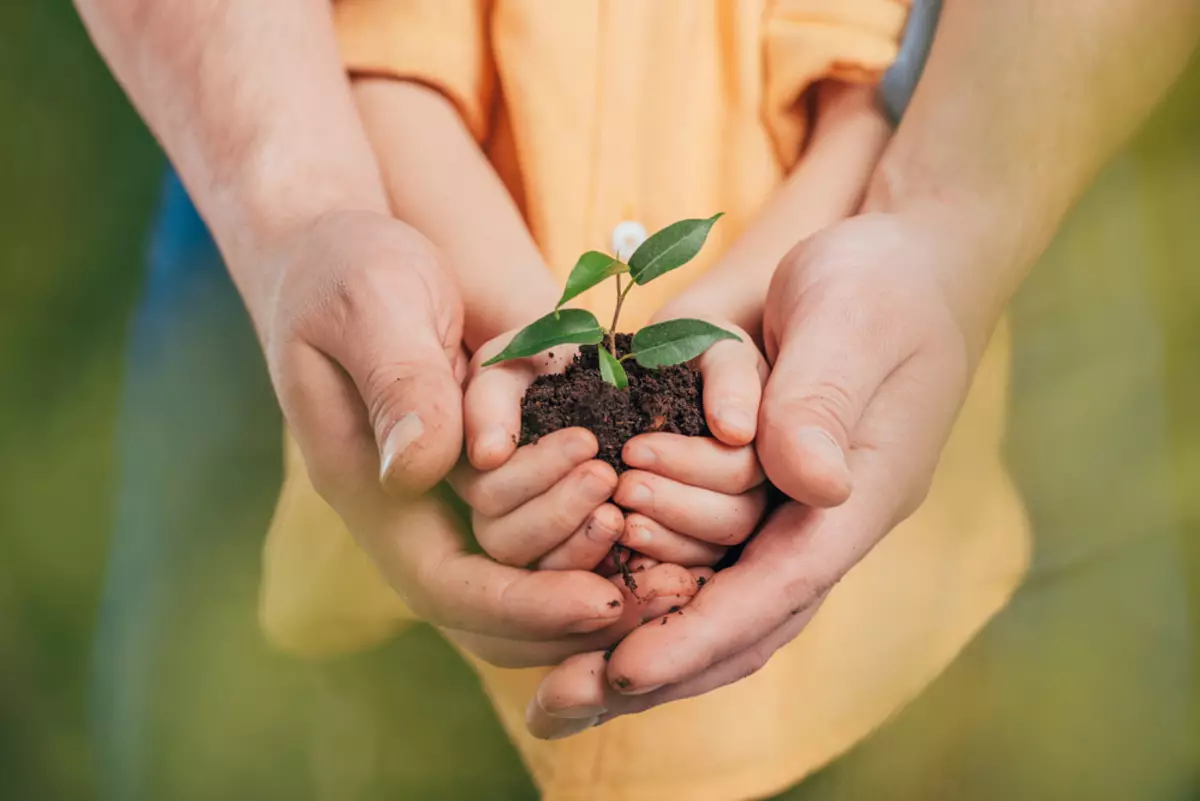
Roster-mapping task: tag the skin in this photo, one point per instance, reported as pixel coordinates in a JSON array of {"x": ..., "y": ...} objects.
[
  {"x": 875, "y": 325},
  {"x": 360, "y": 321},
  {"x": 550, "y": 506}
]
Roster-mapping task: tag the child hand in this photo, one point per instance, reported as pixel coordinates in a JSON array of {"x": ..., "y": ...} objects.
[
  {"x": 545, "y": 504},
  {"x": 690, "y": 498}
]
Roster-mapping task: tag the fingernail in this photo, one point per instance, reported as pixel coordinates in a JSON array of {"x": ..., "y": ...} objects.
[
  {"x": 580, "y": 448},
  {"x": 823, "y": 446},
  {"x": 577, "y": 712},
  {"x": 625, "y": 687},
  {"x": 571, "y": 728},
  {"x": 407, "y": 430},
  {"x": 493, "y": 440},
  {"x": 639, "y": 455},
  {"x": 735, "y": 419},
  {"x": 639, "y": 495}
]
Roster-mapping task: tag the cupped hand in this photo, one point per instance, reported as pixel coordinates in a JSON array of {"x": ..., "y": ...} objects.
[
  {"x": 361, "y": 333},
  {"x": 544, "y": 504},
  {"x": 870, "y": 362},
  {"x": 690, "y": 498}
]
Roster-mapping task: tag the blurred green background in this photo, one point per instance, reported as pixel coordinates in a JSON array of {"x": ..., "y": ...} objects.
[{"x": 79, "y": 177}]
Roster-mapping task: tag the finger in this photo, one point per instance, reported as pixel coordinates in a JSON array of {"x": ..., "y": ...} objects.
[
  {"x": 325, "y": 415},
  {"x": 698, "y": 461},
  {"x": 400, "y": 355},
  {"x": 492, "y": 412},
  {"x": 574, "y": 696},
  {"x": 535, "y": 528},
  {"x": 662, "y": 591},
  {"x": 706, "y": 515},
  {"x": 830, "y": 363},
  {"x": 797, "y": 557},
  {"x": 587, "y": 548},
  {"x": 420, "y": 550},
  {"x": 492, "y": 402},
  {"x": 531, "y": 471},
  {"x": 651, "y": 539},
  {"x": 734, "y": 374}
]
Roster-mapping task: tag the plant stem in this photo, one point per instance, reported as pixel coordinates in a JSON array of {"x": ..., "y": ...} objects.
[{"x": 612, "y": 331}]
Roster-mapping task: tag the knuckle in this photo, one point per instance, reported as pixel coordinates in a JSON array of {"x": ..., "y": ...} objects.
[
  {"x": 825, "y": 403},
  {"x": 483, "y": 496},
  {"x": 384, "y": 385},
  {"x": 324, "y": 480},
  {"x": 746, "y": 477},
  {"x": 755, "y": 660},
  {"x": 807, "y": 590},
  {"x": 496, "y": 543},
  {"x": 597, "y": 478},
  {"x": 563, "y": 517}
]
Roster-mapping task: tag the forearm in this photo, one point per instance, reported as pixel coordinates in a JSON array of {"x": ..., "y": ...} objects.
[
  {"x": 1020, "y": 104},
  {"x": 439, "y": 182},
  {"x": 252, "y": 106},
  {"x": 826, "y": 186}
]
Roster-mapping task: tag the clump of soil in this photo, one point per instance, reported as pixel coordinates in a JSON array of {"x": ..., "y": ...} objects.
[{"x": 667, "y": 399}]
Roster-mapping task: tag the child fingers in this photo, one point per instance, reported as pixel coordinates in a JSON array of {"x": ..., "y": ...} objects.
[
  {"x": 492, "y": 400},
  {"x": 652, "y": 539},
  {"x": 700, "y": 461},
  {"x": 734, "y": 374},
  {"x": 537, "y": 527},
  {"x": 655, "y": 591},
  {"x": 492, "y": 412},
  {"x": 587, "y": 548},
  {"x": 531, "y": 471},
  {"x": 692, "y": 511},
  {"x": 574, "y": 694}
]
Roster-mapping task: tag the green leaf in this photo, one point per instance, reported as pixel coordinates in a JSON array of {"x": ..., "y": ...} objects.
[
  {"x": 611, "y": 369},
  {"x": 672, "y": 247},
  {"x": 676, "y": 342},
  {"x": 592, "y": 268},
  {"x": 567, "y": 327}
]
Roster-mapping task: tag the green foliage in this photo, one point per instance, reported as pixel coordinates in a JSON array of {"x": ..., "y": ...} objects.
[
  {"x": 611, "y": 369},
  {"x": 669, "y": 249},
  {"x": 568, "y": 327},
  {"x": 592, "y": 268},
  {"x": 661, "y": 345},
  {"x": 676, "y": 342}
]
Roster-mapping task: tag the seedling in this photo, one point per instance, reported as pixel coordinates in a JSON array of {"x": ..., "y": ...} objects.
[{"x": 655, "y": 346}]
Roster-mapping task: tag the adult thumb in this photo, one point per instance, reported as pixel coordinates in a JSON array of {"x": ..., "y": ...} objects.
[
  {"x": 825, "y": 374},
  {"x": 406, "y": 378}
]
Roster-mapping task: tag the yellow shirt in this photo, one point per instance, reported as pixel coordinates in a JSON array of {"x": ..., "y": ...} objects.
[{"x": 597, "y": 111}]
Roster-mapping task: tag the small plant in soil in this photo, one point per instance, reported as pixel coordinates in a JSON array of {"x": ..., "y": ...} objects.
[{"x": 620, "y": 385}]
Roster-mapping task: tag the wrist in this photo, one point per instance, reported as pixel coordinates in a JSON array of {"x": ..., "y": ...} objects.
[
  {"x": 975, "y": 246},
  {"x": 259, "y": 216}
]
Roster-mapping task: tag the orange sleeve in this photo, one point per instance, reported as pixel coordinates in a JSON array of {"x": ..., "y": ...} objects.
[
  {"x": 442, "y": 43},
  {"x": 808, "y": 41}
]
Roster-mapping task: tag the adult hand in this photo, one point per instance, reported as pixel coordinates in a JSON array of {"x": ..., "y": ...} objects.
[
  {"x": 870, "y": 365},
  {"x": 361, "y": 330}
]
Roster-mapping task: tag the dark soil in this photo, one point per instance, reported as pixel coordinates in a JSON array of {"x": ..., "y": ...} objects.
[{"x": 667, "y": 399}]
